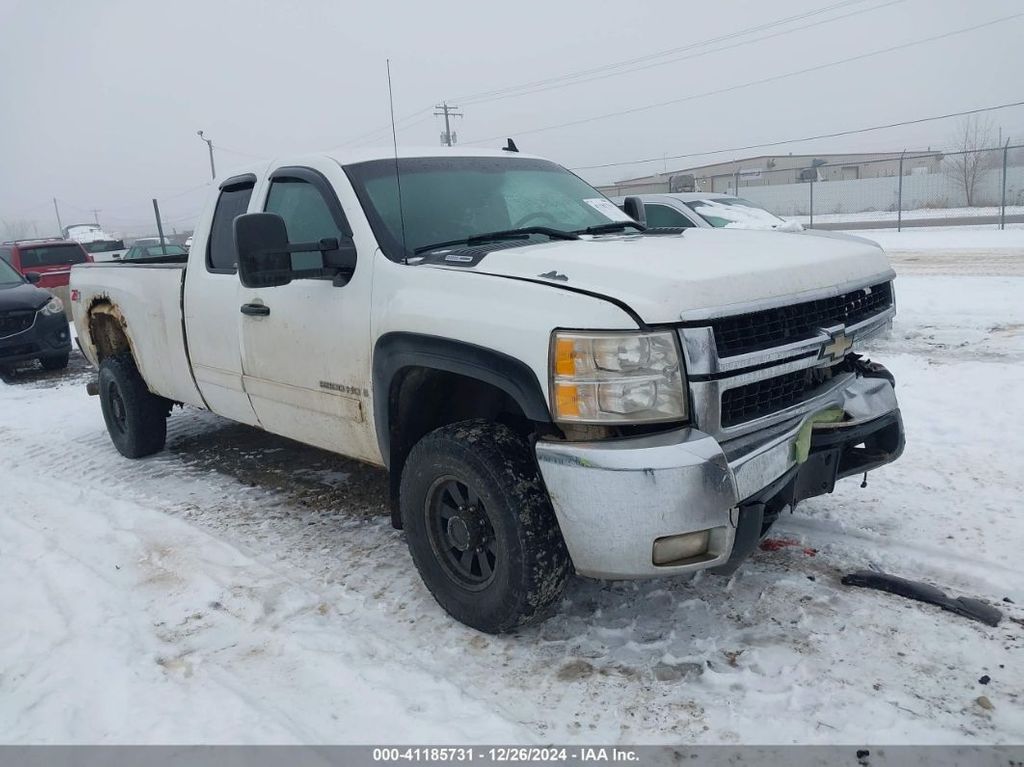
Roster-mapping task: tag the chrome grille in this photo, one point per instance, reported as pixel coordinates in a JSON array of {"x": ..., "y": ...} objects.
[
  {"x": 745, "y": 377},
  {"x": 769, "y": 395},
  {"x": 744, "y": 333}
]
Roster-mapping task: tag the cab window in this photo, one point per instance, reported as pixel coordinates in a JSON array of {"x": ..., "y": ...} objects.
[
  {"x": 220, "y": 249},
  {"x": 306, "y": 215}
]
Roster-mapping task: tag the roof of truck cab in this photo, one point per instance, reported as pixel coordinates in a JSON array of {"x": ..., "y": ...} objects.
[{"x": 351, "y": 155}]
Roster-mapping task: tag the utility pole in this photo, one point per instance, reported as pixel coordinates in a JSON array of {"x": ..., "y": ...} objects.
[
  {"x": 159, "y": 227},
  {"x": 96, "y": 216},
  {"x": 209, "y": 145},
  {"x": 1002, "y": 200},
  {"x": 899, "y": 195},
  {"x": 447, "y": 137},
  {"x": 60, "y": 227}
]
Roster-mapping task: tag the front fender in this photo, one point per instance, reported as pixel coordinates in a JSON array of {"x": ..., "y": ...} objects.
[{"x": 395, "y": 351}]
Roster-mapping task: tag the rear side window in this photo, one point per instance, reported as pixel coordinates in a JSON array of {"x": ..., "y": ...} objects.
[
  {"x": 52, "y": 255},
  {"x": 659, "y": 216},
  {"x": 103, "y": 246},
  {"x": 220, "y": 250}
]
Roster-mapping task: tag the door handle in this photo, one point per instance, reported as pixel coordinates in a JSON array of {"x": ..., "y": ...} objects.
[{"x": 256, "y": 310}]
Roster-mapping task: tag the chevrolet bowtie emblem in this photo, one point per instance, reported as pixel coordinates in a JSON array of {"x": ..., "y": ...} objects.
[{"x": 837, "y": 347}]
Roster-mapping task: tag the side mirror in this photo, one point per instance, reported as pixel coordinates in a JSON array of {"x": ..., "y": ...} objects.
[
  {"x": 634, "y": 208},
  {"x": 261, "y": 245},
  {"x": 341, "y": 257},
  {"x": 33, "y": 277}
]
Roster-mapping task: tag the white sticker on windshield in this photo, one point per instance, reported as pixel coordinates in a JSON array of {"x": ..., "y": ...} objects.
[{"x": 607, "y": 208}]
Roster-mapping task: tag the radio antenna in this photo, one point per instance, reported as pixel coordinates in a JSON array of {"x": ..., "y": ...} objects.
[{"x": 398, "y": 174}]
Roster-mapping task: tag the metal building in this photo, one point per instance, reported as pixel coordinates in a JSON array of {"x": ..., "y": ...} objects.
[{"x": 769, "y": 170}]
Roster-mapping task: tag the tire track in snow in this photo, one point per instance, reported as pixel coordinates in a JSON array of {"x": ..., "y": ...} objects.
[{"x": 589, "y": 672}]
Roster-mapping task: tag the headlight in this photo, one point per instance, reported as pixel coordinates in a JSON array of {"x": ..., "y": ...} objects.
[
  {"x": 625, "y": 377},
  {"x": 53, "y": 306}
]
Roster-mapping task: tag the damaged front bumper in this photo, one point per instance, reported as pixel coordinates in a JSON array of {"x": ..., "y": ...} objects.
[{"x": 625, "y": 504}]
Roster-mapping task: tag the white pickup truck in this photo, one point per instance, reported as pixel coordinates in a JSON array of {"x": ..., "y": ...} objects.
[{"x": 551, "y": 387}]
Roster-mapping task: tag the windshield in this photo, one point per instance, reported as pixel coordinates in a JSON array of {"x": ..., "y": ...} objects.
[
  {"x": 8, "y": 274},
  {"x": 103, "y": 246},
  {"x": 734, "y": 213},
  {"x": 52, "y": 255},
  {"x": 448, "y": 199}
]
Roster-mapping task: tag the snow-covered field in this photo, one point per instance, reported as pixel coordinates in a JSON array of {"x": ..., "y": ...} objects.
[
  {"x": 241, "y": 588},
  {"x": 968, "y": 250},
  {"x": 909, "y": 215}
]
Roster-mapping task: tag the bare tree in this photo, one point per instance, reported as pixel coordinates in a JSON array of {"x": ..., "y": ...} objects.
[
  {"x": 968, "y": 157},
  {"x": 16, "y": 229}
]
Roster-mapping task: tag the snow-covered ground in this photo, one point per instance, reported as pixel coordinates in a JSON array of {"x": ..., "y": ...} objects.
[
  {"x": 908, "y": 215},
  {"x": 241, "y": 588},
  {"x": 969, "y": 250}
]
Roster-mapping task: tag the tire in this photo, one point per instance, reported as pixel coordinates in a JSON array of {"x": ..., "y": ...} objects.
[
  {"x": 136, "y": 418},
  {"x": 55, "y": 363},
  {"x": 480, "y": 526}
]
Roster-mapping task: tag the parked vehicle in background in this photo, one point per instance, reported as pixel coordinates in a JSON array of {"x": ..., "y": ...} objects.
[
  {"x": 33, "y": 325},
  {"x": 151, "y": 241},
  {"x": 100, "y": 245},
  {"x": 550, "y": 385},
  {"x": 701, "y": 209},
  {"x": 170, "y": 252},
  {"x": 51, "y": 259}
]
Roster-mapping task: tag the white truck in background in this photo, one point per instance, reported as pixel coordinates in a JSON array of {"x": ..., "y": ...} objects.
[
  {"x": 551, "y": 387},
  {"x": 100, "y": 245}
]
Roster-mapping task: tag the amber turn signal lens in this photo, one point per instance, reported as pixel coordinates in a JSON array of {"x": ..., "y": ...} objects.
[
  {"x": 567, "y": 400},
  {"x": 565, "y": 357}
]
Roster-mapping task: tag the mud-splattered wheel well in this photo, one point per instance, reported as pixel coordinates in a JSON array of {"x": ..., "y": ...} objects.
[{"x": 106, "y": 331}]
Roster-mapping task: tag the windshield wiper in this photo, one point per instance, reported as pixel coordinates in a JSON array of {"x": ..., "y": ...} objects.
[
  {"x": 611, "y": 226},
  {"x": 504, "y": 234}
]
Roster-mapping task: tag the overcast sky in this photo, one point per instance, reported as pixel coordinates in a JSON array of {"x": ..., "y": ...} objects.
[{"x": 101, "y": 99}]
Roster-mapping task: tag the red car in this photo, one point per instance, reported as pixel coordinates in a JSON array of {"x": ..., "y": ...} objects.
[{"x": 50, "y": 258}]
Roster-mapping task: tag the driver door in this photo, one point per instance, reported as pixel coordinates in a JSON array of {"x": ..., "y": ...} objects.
[{"x": 305, "y": 345}]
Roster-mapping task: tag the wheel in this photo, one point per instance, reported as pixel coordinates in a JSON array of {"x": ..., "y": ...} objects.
[
  {"x": 136, "y": 418},
  {"x": 55, "y": 363},
  {"x": 480, "y": 527}
]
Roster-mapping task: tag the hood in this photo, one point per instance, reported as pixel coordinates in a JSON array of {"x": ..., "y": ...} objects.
[
  {"x": 668, "y": 278},
  {"x": 836, "y": 235},
  {"x": 22, "y": 297}
]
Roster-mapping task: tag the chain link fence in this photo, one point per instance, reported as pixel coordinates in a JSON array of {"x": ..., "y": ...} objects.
[{"x": 981, "y": 186}]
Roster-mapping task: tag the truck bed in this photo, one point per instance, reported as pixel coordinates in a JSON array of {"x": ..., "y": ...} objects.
[{"x": 146, "y": 299}]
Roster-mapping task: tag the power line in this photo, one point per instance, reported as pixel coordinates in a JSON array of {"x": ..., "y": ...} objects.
[
  {"x": 486, "y": 95},
  {"x": 690, "y": 56},
  {"x": 805, "y": 138},
  {"x": 190, "y": 190},
  {"x": 761, "y": 81},
  {"x": 492, "y": 95},
  {"x": 387, "y": 128}
]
